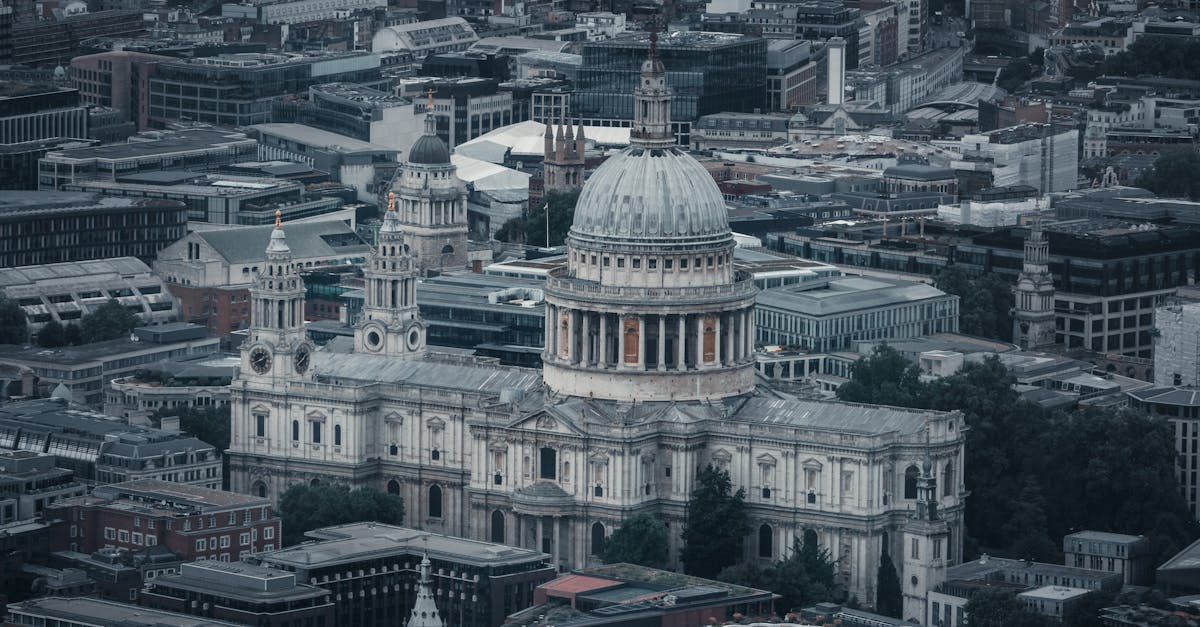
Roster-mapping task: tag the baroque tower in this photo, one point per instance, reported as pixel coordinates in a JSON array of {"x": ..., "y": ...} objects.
[
  {"x": 432, "y": 203},
  {"x": 391, "y": 324},
  {"x": 424, "y": 612},
  {"x": 650, "y": 307},
  {"x": 563, "y": 158},
  {"x": 276, "y": 348},
  {"x": 926, "y": 549},
  {"x": 1033, "y": 311}
]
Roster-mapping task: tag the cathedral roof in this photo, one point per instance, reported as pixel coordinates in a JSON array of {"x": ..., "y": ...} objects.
[
  {"x": 429, "y": 150},
  {"x": 425, "y": 373},
  {"x": 643, "y": 194}
]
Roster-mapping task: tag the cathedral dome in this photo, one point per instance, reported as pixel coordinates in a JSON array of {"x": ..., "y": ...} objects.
[
  {"x": 429, "y": 150},
  {"x": 650, "y": 194}
]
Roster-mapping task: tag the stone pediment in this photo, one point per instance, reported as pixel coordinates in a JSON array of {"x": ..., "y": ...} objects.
[
  {"x": 545, "y": 422},
  {"x": 542, "y": 498},
  {"x": 315, "y": 416},
  {"x": 765, "y": 459},
  {"x": 811, "y": 464}
]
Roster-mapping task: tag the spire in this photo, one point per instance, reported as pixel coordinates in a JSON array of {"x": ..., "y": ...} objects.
[
  {"x": 652, "y": 102},
  {"x": 559, "y": 145},
  {"x": 278, "y": 244},
  {"x": 424, "y": 611},
  {"x": 391, "y": 220},
  {"x": 548, "y": 148},
  {"x": 430, "y": 118},
  {"x": 580, "y": 144}
]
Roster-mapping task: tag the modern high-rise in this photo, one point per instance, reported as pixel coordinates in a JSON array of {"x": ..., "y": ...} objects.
[
  {"x": 118, "y": 79},
  {"x": 707, "y": 72},
  {"x": 239, "y": 89}
]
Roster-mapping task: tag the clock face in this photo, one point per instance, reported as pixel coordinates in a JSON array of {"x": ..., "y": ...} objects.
[
  {"x": 301, "y": 360},
  {"x": 260, "y": 360}
]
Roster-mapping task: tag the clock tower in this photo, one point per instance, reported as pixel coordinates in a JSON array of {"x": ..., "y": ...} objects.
[
  {"x": 391, "y": 324},
  {"x": 276, "y": 347}
]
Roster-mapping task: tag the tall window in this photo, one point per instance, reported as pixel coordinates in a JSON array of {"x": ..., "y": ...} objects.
[
  {"x": 765, "y": 542},
  {"x": 260, "y": 425},
  {"x": 296, "y": 430},
  {"x": 948, "y": 480},
  {"x": 910, "y": 482},
  {"x": 435, "y": 502},
  {"x": 597, "y": 538},
  {"x": 549, "y": 463},
  {"x": 316, "y": 432},
  {"x": 498, "y": 527},
  {"x": 916, "y": 549},
  {"x": 337, "y": 435}
]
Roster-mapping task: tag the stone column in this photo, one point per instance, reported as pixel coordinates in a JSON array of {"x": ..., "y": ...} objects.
[
  {"x": 572, "y": 341},
  {"x": 537, "y": 543},
  {"x": 586, "y": 344},
  {"x": 699, "y": 341},
  {"x": 717, "y": 341},
  {"x": 662, "y": 342},
  {"x": 748, "y": 335},
  {"x": 602, "y": 353},
  {"x": 551, "y": 317},
  {"x": 728, "y": 331},
  {"x": 555, "y": 550},
  {"x": 681, "y": 343},
  {"x": 641, "y": 348}
]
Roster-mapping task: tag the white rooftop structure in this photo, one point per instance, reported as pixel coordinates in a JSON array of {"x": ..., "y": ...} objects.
[{"x": 527, "y": 140}]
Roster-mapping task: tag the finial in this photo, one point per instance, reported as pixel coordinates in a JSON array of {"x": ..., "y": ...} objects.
[
  {"x": 279, "y": 218},
  {"x": 654, "y": 38},
  {"x": 429, "y": 106},
  {"x": 391, "y": 201}
]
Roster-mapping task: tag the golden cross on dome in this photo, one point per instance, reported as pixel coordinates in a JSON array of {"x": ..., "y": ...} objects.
[
  {"x": 278, "y": 218},
  {"x": 429, "y": 93},
  {"x": 391, "y": 201}
]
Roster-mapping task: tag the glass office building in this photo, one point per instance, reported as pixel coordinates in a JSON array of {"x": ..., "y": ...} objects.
[{"x": 708, "y": 72}]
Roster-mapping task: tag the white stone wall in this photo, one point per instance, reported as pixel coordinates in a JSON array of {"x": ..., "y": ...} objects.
[{"x": 1177, "y": 347}]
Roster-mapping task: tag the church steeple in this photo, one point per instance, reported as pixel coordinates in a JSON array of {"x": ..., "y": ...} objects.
[
  {"x": 425, "y": 612},
  {"x": 390, "y": 322},
  {"x": 926, "y": 545},
  {"x": 1033, "y": 310},
  {"x": 277, "y": 312},
  {"x": 652, "y": 103}
]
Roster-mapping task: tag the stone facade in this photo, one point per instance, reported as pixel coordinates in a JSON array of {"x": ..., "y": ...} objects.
[{"x": 1177, "y": 345}]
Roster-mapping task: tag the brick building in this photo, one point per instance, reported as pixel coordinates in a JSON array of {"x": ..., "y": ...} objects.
[
  {"x": 242, "y": 593},
  {"x": 193, "y": 522}
]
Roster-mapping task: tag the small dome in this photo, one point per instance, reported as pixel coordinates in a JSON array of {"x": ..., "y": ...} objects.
[
  {"x": 642, "y": 194},
  {"x": 429, "y": 150}
]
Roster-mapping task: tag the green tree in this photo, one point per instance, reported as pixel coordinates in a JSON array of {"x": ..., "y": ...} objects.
[
  {"x": 885, "y": 377},
  {"x": 984, "y": 303},
  {"x": 108, "y": 322},
  {"x": 13, "y": 326},
  {"x": 72, "y": 334},
  {"x": 304, "y": 507},
  {"x": 1175, "y": 174},
  {"x": 531, "y": 228},
  {"x": 642, "y": 540},
  {"x": 716, "y": 524},
  {"x": 1170, "y": 57},
  {"x": 993, "y": 607},
  {"x": 801, "y": 579},
  {"x": 52, "y": 335},
  {"x": 889, "y": 599},
  {"x": 210, "y": 424}
]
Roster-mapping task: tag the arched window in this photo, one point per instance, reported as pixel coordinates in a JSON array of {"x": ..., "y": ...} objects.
[
  {"x": 766, "y": 546},
  {"x": 597, "y": 538},
  {"x": 910, "y": 482},
  {"x": 314, "y": 482},
  {"x": 435, "y": 455},
  {"x": 337, "y": 435},
  {"x": 296, "y": 430},
  {"x": 393, "y": 487},
  {"x": 884, "y": 544},
  {"x": 498, "y": 527},
  {"x": 259, "y": 489},
  {"x": 435, "y": 501},
  {"x": 948, "y": 480},
  {"x": 810, "y": 538}
]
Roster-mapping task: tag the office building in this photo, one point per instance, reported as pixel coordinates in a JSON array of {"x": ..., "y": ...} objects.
[
  {"x": 241, "y": 593},
  {"x": 90, "y": 612},
  {"x": 356, "y": 164},
  {"x": 101, "y": 450},
  {"x": 56, "y": 40},
  {"x": 219, "y": 198},
  {"x": 38, "y": 112},
  {"x": 194, "y": 149},
  {"x": 421, "y": 39},
  {"x": 901, "y": 87},
  {"x": 466, "y": 107},
  {"x": 360, "y": 112},
  {"x": 1132, "y": 556},
  {"x": 827, "y": 316},
  {"x": 210, "y": 271},
  {"x": 600, "y": 25},
  {"x": 821, "y": 21},
  {"x": 617, "y": 593},
  {"x": 723, "y": 131},
  {"x": 192, "y": 383},
  {"x": 65, "y": 292},
  {"x": 239, "y": 89},
  {"x": 1038, "y": 155},
  {"x": 6, "y": 22},
  {"x": 791, "y": 75},
  {"x": 301, "y": 11},
  {"x": 30, "y": 481},
  {"x": 707, "y": 72},
  {"x": 1176, "y": 345},
  {"x": 1180, "y": 406},
  {"x": 22, "y": 542},
  {"x": 57, "y": 227},
  {"x": 649, "y": 324},
  {"x": 119, "y": 79},
  {"x": 193, "y": 522},
  {"x": 497, "y": 316},
  {"x": 476, "y": 583}
]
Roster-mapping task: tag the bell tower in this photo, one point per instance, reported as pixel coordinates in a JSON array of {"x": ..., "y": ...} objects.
[
  {"x": 563, "y": 158},
  {"x": 1033, "y": 310},
  {"x": 390, "y": 323},
  {"x": 276, "y": 346},
  {"x": 652, "y": 102},
  {"x": 926, "y": 544}
]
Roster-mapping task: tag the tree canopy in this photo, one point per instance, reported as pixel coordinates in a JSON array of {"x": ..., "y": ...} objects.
[
  {"x": 1171, "y": 57},
  {"x": 210, "y": 424},
  {"x": 1175, "y": 174},
  {"x": 13, "y": 327},
  {"x": 304, "y": 507},
  {"x": 642, "y": 539},
  {"x": 984, "y": 303},
  {"x": 889, "y": 598},
  {"x": 717, "y": 524},
  {"x": 52, "y": 335},
  {"x": 531, "y": 228},
  {"x": 108, "y": 322},
  {"x": 1035, "y": 476},
  {"x": 997, "y": 607},
  {"x": 803, "y": 578}
]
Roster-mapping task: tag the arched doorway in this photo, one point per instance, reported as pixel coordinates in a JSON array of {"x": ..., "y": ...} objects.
[
  {"x": 498, "y": 527},
  {"x": 259, "y": 489},
  {"x": 766, "y": 538},
  {"x": 435, "y": 501},
  {"x": 393, "y": 487},
  {"x": 597, "y": 538}
]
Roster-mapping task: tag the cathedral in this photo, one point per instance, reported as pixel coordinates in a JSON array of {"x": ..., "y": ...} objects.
[{"x": 648, "y": 377}]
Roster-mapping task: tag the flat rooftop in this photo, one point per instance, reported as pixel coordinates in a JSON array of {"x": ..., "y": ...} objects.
[
  {"x": 16, "y": 203},
  {"x": 1106, "y": 536},
  {"x": 312, "y": 136},
  {"x": 674, "y": 39},
  {"x": 155, "y": 490},
  {"x": 361, "y": 541},
  {"x": 846, "y": 294},
  {"x": 191, "y": 140},
  {"x": 89, "y": 611},
  {"x": 1054, "y": 593}
]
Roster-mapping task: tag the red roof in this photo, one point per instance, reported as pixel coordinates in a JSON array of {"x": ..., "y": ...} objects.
[{"x": 574, "y": 584}]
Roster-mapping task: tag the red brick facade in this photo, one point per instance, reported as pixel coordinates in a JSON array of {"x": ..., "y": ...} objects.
[{"x": 222, "y": 309}]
